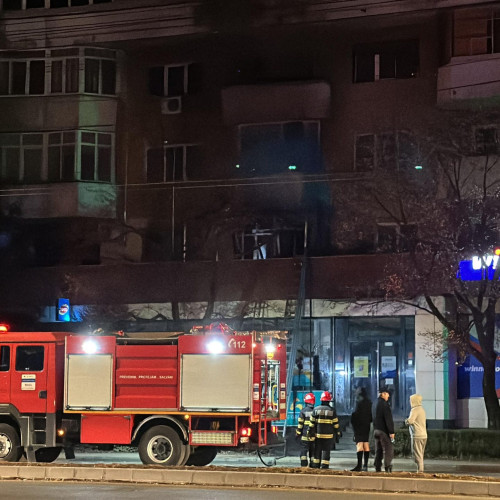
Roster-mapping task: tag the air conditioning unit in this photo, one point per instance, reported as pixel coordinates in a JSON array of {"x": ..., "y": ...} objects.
[{"x": 171, "y": 105}]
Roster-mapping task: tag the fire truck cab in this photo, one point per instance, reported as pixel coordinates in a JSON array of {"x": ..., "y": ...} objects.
[{"x": 177, "y": 397}]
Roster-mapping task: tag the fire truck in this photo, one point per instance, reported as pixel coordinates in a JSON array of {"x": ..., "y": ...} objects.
[{"x": 177, "y": 397}]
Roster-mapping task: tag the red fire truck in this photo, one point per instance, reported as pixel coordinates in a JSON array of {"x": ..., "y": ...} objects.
[{"x": 177, "y": 397}]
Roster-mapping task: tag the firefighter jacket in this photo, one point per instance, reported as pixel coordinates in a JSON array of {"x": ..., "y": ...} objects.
[
  {"x": 324, "y": 423},
  {"x": 304, "y": 423}
]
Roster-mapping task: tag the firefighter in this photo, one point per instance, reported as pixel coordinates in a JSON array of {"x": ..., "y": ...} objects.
[
  {"x": 302, "y": 434},
  {"x": 324, "y": 425}
]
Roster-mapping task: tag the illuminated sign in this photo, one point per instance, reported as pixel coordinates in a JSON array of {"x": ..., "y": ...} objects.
[
  {"x": 63, "y": 310},
  {"x": 479, "y": 268}
]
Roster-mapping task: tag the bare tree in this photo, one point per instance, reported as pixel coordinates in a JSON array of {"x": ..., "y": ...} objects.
[{"x": 448, "y": 211}]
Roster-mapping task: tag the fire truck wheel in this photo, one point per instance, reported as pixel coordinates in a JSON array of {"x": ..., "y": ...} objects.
[
  {"x": 203, "y": 455},
  {"x": 10, "y": 449},
  {"x": 160, "y": 445},
  {"x": 47, "y": 455},
  {"x": 185, "y": 454}
]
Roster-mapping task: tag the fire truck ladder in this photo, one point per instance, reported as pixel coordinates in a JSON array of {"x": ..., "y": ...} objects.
[{"x": 299, "y": 312}]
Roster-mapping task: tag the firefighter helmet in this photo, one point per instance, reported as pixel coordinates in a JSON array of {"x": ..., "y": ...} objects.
[
  {"x": 326, "y": 396},
  {"x": 309, "y": 398}
]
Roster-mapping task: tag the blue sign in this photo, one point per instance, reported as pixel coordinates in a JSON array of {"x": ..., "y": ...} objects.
[
  {"x": 63, "y": 312},
  {"x": 470, "y": 378},
  {"x": 478, "y": 268}
]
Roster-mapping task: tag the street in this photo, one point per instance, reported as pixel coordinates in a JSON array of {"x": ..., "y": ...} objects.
[{"x": 54, "y": 491}]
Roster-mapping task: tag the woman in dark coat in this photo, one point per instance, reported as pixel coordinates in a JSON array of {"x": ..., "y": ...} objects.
[{"x": 361, "y": 420}]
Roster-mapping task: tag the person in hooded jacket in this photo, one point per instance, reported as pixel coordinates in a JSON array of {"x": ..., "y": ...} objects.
[
  {"x": 306, "y": 441},
  {"x": 418, "y": 430},
  {"x": 361, "y": 420}
]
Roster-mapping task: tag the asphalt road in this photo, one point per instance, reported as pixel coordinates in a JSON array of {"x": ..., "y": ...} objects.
[{"x": 11, "y": 490}]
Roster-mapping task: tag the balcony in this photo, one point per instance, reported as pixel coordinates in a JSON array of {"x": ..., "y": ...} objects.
[
  {"x": 72, "y": 111},
  {"x": 468, "y": 79},
  {"x": 75, "y": 199},
  {"x": 276, "y": 102}
]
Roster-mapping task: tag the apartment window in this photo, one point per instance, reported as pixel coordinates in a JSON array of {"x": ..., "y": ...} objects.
[
  {"x": 487, "y": 140},
  {"x": 54, "y": 4},
  {"x": 274, "y": 148},
  {"x": 56, "y": 157},
  {"x": 173, "y": 163},
  {"x": 70, "y": 70},
  {"x": 61, "y": 156},
  {"x": 95, "y": 157},
  {"x": 257, "y": 243},
  {"x": 21, "y": 157},
  {"x": 100, "y": 76},
  {"x": 174, "y": 80},
  {"x": 22, "y": 77},
  {"x": 64, "y": 75},
  {"x": 365, "y": 154},
  {"x": 393, "y": 237},
  {"x": 389, "y": 60},
  {"x": 386, "y": 150},
  {"x": 476, "y": 31}
]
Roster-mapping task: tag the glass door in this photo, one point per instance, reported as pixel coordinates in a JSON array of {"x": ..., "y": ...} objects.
[{"x": 373, "y": 364}]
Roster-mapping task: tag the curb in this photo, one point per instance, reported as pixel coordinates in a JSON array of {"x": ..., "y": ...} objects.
[{"x": 146, "y": 475}]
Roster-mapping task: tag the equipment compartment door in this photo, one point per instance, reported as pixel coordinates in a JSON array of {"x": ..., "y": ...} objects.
[
  {"x": 89, "y": 382},
  {"x": 215, "y": 382}
]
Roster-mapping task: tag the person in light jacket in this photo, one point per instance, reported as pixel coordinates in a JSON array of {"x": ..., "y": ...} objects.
[{"x": 418, "y": 431}]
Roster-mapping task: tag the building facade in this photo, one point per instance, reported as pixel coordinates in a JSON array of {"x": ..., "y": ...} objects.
[{"x": 185, "y": 162}]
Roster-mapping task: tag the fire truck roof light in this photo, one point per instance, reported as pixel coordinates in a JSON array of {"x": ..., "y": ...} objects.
[
  {"x": 90, "y": 347},
  {"x": 4, "y": 328},
  {"x": 215, "y": 347}
]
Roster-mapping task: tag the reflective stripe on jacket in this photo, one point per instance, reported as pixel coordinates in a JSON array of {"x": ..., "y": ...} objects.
[
  {"x": 304, "y": 423},
  {"x": 324, "y": 422}
]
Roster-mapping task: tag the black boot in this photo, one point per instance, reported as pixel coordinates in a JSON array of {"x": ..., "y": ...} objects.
[
  {"x": 358, "y": 467},
  {"x": 366, "y": 456},
  {"x": 388, "y": 469}
]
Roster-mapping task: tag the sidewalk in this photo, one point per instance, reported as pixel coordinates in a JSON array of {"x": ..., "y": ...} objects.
[{"x": 344, "y": 458}]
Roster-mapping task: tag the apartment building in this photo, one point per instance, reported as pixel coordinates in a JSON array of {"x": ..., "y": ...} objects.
[{"x": 171, "y": 160}]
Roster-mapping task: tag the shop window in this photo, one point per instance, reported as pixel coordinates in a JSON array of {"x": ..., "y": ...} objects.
[
  {"x": 389, "y": 60},
  {"x": 487, "y": 140},
  {"x": 29, "y": 358}
]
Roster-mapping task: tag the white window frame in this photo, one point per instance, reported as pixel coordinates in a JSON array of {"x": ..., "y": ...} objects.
[
  {"x": 80, "y": 56},
  {"x": 28, "y": 62},
  {"x": 185, "y": 77},
  {"x": 45, "y": 155},
  {"x": 47, "y": 4}
]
